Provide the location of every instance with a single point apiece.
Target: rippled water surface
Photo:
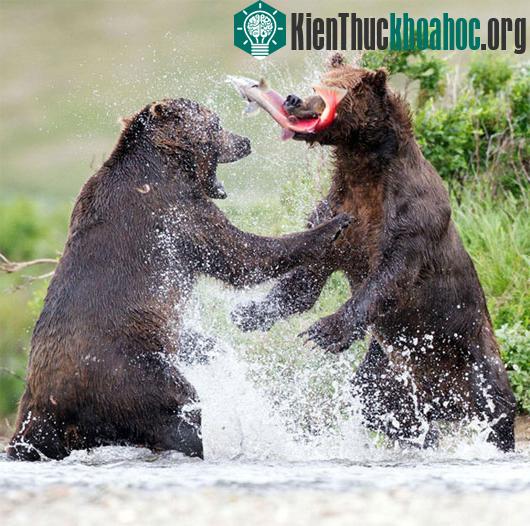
(131, 468)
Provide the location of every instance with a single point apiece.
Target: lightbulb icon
(260, 28)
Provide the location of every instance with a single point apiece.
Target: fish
(260, 96)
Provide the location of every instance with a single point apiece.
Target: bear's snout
(232, 147)
(291, 103)
(244, 147)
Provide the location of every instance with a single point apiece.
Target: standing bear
(142, 230)
(433, 356)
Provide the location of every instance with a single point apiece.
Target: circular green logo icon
(259, 30)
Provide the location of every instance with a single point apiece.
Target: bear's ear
(378, 80)
(157, 109)
(336, 60)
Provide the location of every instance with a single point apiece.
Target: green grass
(497, 236)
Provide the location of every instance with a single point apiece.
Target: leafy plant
(515, 345)
(416, 65)
(483, 133)
(489, 73)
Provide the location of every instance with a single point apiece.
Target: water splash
(265, 397)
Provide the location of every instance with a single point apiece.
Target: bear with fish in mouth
(433, 356)
(143, 229)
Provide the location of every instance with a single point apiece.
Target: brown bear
(433, 356)
(142, 230)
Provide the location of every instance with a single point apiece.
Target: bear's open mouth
(259, 95)
(216, 190)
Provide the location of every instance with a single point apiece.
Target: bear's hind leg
(37, 438)
(503, 435)
(388, 404)
(495, 402)
(180, 432)
(156, 407)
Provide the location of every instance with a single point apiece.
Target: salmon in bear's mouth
(259, 95)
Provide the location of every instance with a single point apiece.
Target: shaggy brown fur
(433, 355)
(142, 230)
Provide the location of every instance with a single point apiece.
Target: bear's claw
(334, 333)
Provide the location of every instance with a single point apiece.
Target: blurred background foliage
(83, 64)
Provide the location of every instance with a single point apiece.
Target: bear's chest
(365, 204)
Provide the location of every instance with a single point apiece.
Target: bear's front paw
(343, 222)
(336, 226)
(252, 317)
(334, 333)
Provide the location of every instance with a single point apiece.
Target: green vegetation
(28, 231)
(481, 129)
(474, 130)
(484, 130)
(515, 345)
(496, 233)
(416, 65)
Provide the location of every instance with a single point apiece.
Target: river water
(139, 469)
(118, 485)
